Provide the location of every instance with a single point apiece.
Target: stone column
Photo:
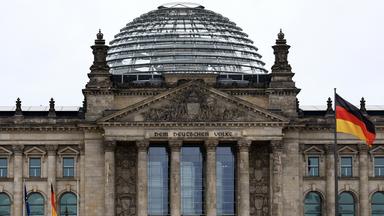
(210, 173)
(330, 180)
(243, 172)
(277, 178)
(18, 180)
(142, 184)
(109, 187)
(175, 192)
(81, 193)
(363, 183)
(51, 174)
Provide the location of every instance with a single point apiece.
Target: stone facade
(109, 136)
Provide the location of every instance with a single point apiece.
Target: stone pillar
(51, 174)
(175, 192)
(210, 173)
(142, 182)
(330, 180)
(109, 187)
(81, 195)
(277, 178)
(243, 172)
(18, 180)
(363, 183)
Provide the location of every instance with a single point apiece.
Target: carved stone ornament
(175, 145)
(17, 149)
(109, 145)
(243, 145)
(142, 145)
(51, 149)
(211, 144)
(277, 145)
(194, 104)
(126, 180)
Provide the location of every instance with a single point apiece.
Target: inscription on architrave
(259, 180)
(194, 104)
(126, 180)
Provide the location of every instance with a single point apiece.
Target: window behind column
(68, 204)
(377, 204)
(3, 168)
(36, 204)
(225, 180)
(313, 165)
(312, 204)
(5, 205)
(379, 166)
(346, 166)
(158, 180)
(192, 181)
(34, 167)
(346, 204)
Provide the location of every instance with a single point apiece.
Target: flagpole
(335, 160)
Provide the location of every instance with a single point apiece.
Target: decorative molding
(18, 149)
(5, 152)
(109, 146)
(51, 149)
(142, 145)
(210, 144)
(243, 145)
(35, 151)
(277, 145)
(175, 145)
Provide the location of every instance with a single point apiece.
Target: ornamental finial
(280, 36)
(362, 105)
(52, 111)
(329, 106)
(99, 35)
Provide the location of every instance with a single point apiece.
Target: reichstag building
(180, 117)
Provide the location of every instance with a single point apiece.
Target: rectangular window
(34, 167)
(379, 166)
(346, 166)
(313, 166)
(3, 167)
(68, 167)
(225, 180)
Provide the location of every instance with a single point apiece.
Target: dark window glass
(379, 166)
(377, 205)
(346, 166)
(312, 204)
(158, 181)
(225, 180)
(346, 204)
(68, 167)
(36, 204)
(5, 205)
(35, 167)
(3, 167)
(192, 182)
(68, 204)
(313, 166)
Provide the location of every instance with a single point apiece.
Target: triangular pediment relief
(193, 102)
(377, 151)
(346, 150)
(4, 151)
(68, 151)
(34, 151)
(313, 150)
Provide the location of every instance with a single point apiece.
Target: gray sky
(334, 43)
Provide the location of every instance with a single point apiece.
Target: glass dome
(183, 38)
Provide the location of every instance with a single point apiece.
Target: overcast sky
(334, 43)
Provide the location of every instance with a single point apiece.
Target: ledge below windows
(67, 178)
(314, 178)
(6, 179)
(349, 178)
(35, 179)
(381, 178)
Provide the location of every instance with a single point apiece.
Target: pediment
(4, 151)
(34, 151)
(193, 102)
(313, 150)
(68, 151)
(377, 151)
(346, 150)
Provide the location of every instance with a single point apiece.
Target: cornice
(194, 124)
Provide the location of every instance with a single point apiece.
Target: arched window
(68, 204)
(346, 204)
(192, 180)
(225, 180)
(312, 204)
(158, 180)
(36, 204)
(5, 205)
(377, 204)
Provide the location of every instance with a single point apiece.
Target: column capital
(363, 148)
(277, 145)
(243, 145)
(210, 144)
(142, 145)
(51, 149)
(17, 149)
(175, 144)
(109, 145)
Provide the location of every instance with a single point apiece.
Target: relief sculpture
(259, 180)
(125, 180)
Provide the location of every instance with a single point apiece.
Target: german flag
(53, 202)
(350, 120)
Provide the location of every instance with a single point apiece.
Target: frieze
(193, 134)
